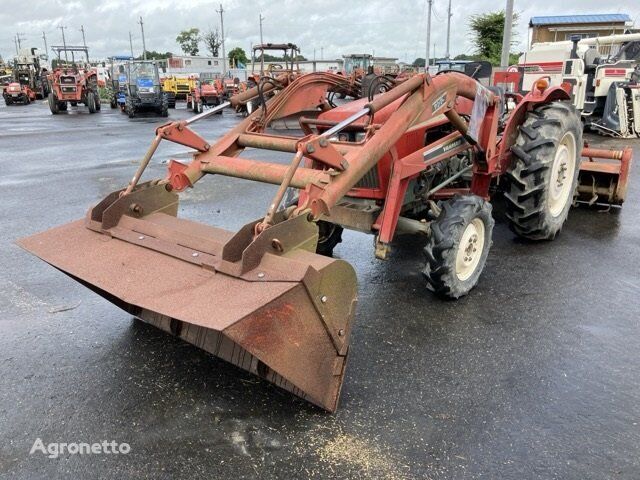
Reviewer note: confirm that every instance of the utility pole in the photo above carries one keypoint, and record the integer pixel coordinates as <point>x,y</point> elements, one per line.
<point>131,44</point>
<point>84,41</point>
<point>18,39</point>
<point>426,58</point>
<point>64,43</point>
<point>506,34</point>
<point>144,45</point>
<point>321,53</point>
<point>46,49</point>
<point>15,40</point>
<point>447,54</point>
<point>224,53</point>
<point>261,40</point>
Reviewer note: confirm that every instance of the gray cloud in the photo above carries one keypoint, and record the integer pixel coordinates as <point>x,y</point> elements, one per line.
<point>389,28</point>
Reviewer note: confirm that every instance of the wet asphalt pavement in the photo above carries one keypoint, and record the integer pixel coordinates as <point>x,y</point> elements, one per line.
<point>534,375</point>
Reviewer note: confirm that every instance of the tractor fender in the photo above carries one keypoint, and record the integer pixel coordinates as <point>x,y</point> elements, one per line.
<point>528,103</point>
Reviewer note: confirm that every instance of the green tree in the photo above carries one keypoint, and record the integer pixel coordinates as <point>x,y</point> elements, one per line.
<point>153,55</point>
<point>188,41</point>
<point>238,55</point>
<point>487,31</point>
<point>418,62</point>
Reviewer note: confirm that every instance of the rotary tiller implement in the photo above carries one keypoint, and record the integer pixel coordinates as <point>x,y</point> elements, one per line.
<point>421,158</point>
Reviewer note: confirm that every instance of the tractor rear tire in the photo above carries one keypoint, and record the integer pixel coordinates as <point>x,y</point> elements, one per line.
<point>113,103</point>
<point>544,175</point>
<point>53,103</point>
<point>330,235</point>
<point>98,102</point>
<point>458,246</point>
<point>91,102</point>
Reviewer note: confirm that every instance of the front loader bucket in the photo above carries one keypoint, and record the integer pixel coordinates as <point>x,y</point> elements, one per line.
<point>267,305</point>
<point>604,175</point>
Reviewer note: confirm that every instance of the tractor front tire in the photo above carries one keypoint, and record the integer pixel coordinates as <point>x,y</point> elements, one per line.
<point>544,175</point>
<point>91,102</point>
<point>458,246</point>
<point>53,103</point>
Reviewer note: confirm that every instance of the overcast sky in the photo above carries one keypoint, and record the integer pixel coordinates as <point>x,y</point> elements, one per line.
<point>386,28</point>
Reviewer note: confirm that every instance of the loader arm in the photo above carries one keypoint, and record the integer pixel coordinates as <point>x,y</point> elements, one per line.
<point>415,101</point>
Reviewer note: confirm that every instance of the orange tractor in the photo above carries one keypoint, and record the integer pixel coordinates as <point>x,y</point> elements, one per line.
<point>424,158</point>
<point>265,72</point>
<point>73,81</point>
<point>16,92</point>
<point>207,92</point>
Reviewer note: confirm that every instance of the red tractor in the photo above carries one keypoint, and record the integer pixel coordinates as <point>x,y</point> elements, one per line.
<point>425,158</point>
<point>208,92</point>
<point>18,93</point>
<point>73,82</point>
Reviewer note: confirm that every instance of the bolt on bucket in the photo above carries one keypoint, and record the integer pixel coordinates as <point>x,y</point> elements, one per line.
<point>266,304</point>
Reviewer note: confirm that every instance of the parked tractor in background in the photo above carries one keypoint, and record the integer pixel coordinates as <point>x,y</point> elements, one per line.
<point>208,92</point>
<point>367,79</point>
<point>144,91</point>
<point>73,81</point>
<point>177,87</point>
<point>273,74</point>
<point>17,93</point>
<point>604,73</point>
<point>28,81</point>
<point>480,70</point>
<point>233,86</point>
<point>117,81</point>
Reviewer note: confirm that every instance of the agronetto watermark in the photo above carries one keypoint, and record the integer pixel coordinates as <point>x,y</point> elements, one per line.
<point>56,449</point>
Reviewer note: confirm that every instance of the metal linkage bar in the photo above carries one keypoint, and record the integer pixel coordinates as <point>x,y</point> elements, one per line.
<point>208,113</point>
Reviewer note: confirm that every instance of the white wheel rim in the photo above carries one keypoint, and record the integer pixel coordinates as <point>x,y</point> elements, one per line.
<point>562,172</point>
<point>470,249</point>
